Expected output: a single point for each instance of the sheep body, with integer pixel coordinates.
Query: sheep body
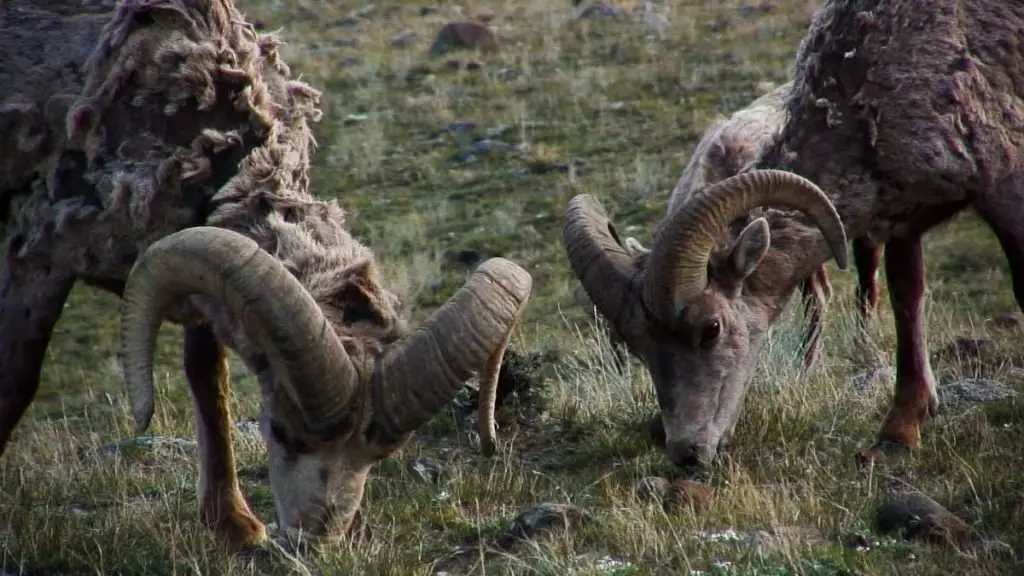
(906, 117)
(897, 119)
(172, 167)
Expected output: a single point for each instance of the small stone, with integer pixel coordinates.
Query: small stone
(966, 349)
(969, 392)
(349, 61)
(506, 74)
(426, 469)
(601, 10)
(684, 492)
(428, 10)
(463, 34)
(652, 489)
(249, 429)
(402, 39)
(921, 518)
(1011, 321)
(541, 519)
(347, 42)
(346, 22)
(483, 16)
(867, 379)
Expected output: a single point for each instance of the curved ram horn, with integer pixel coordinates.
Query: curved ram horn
(278, 313)
(419, 375)
(677, 268)
(596, 254)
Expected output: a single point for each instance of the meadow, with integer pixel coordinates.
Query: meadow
(442, 162)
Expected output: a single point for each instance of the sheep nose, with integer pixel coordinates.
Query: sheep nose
(689, 453)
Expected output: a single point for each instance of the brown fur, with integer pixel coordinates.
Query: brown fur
(905, 117)
(178, 114)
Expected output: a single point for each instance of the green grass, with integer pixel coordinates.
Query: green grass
(632, 105)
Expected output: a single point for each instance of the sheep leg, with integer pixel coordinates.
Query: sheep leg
(1003, 212)
(223, 507)
(867, 256)
(32, 296)
(915, 399)
(816, 292)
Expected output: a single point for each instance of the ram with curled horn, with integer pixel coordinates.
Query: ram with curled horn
(725, 149)
(177, 177)
(906, 117)
(691, 307)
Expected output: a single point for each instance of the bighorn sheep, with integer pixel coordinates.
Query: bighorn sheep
(907, 116)
(725, 149)
(189, 144)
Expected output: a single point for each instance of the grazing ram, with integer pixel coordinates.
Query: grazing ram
(907, 116)
(181, 184)
(726, 148)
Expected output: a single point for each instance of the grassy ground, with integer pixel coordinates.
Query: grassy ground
(631, 104)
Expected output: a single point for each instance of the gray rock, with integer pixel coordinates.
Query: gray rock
(426, 469)
(651, 489)
(541, 519)
(969, 392)
(402, 39)
(866, 380)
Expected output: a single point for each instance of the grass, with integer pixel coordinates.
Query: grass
(631, 104)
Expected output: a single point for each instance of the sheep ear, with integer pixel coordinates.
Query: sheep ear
(355, 293)
(751, 246)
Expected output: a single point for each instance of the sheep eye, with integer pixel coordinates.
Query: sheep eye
(709, 333)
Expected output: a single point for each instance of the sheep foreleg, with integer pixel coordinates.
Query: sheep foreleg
(915, 399)
(32, 296)
(222, 506)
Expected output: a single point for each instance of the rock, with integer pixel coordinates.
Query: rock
(428, 10)
(748, 10)
(600, 10)
(867, 379)
(965, 349)
(457, 64)
(651, 489)
(467, 258)
(484, 147)
(1011, 321)
(463, 34)
(483, 15)
(347, 42)
(350, 61)
(684, 492)
(969, 392)
(456, 128)
(506, 74)
(919, 517)
(402, 39)
(541, 519)
(249, 429)
(345, 22)
(426, 469)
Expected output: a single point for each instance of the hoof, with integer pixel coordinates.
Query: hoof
(238, 531)
(883, 452)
